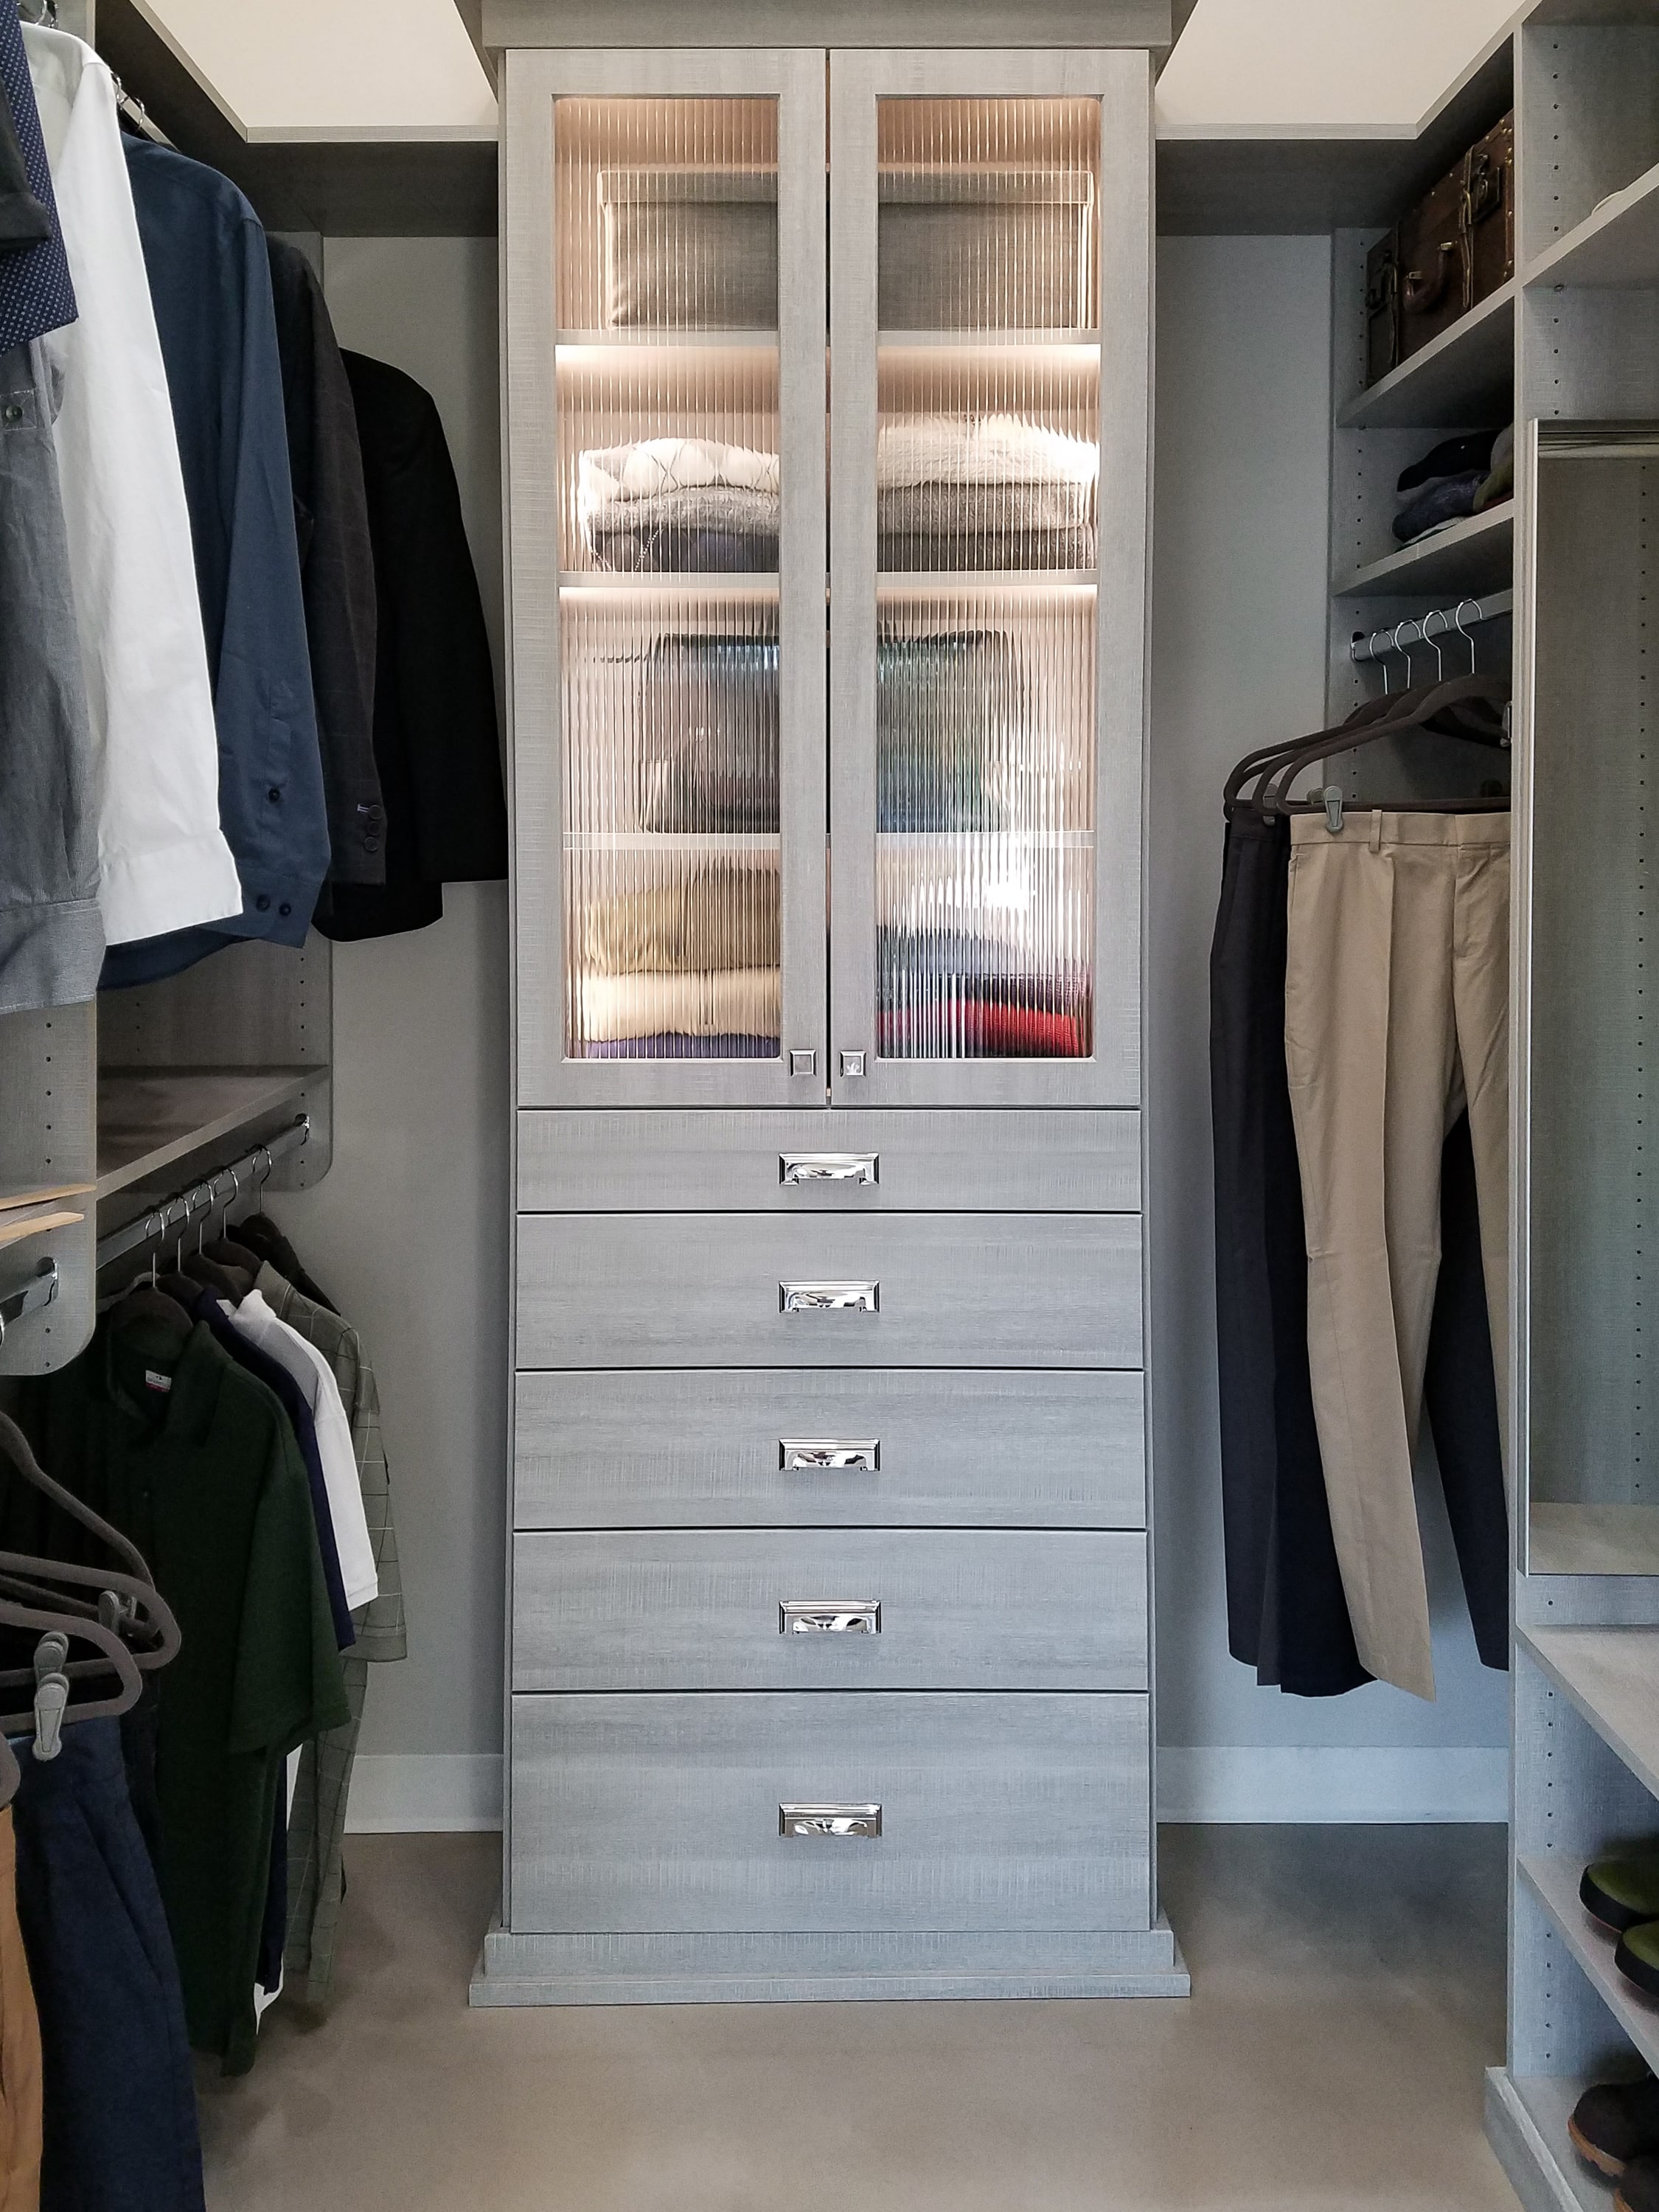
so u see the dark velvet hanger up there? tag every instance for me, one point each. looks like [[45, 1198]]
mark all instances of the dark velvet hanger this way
[[1463, 714], [1473, 704]]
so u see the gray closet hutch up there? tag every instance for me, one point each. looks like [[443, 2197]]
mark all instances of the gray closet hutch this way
[[827, 383]]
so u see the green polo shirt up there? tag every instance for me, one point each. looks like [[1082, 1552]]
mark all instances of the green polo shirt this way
[[197, 1462]]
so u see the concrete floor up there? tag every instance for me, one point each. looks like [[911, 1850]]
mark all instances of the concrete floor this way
[[1348, 1989]]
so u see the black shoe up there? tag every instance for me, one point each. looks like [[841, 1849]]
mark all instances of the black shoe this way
[[1621, 1893], [1638, 1956], [1615, 2123]]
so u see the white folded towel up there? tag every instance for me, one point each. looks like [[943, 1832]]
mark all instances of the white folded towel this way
[[727, 1002]]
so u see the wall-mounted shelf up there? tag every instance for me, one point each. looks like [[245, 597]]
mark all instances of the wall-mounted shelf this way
[[149, 1118], [1466, 376], [1592, 1539], [1553, 1880], [1616, 246], [1612, 1675], [1474, 556]]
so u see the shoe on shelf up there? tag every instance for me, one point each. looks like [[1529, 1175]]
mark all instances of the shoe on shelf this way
[[1638, 1956], [1621, 1893], [1639, 2186], [1616, 2121]]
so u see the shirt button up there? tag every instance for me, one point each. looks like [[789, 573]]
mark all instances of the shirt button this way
[[274, 793], [13, 413], [285, 909], [262, 903]]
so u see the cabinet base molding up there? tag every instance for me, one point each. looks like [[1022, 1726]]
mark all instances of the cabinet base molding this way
[[1526, 2126], [816, 1968]]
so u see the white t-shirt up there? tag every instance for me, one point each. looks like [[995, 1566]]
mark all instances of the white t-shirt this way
[[163, 863], [315, 1378]]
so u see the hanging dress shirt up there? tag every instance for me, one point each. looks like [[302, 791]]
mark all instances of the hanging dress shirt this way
[[163, 863], [209, 281]]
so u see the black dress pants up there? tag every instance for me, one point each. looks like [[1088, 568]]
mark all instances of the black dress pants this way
[[1286, 1613]]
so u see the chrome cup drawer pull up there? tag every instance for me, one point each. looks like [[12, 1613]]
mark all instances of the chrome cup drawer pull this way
[[856, 1616], [829, 1298], [812, 1455], [829, 1167], [851, 1821]]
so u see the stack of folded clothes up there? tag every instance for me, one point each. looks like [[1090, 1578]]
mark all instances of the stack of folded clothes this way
[[670, 504], [708, 735], [1461, 477], [993, 491], [951, 995], [946, 709], [685, 970]]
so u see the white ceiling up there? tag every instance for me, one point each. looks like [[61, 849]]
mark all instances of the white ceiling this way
[[332, 68], [1319, 68], [407, 69]]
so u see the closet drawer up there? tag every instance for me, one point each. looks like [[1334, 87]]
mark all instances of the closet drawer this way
[[923, 1290], [827, 1609], [839, 1163], [996, 1811], [611, 1448]]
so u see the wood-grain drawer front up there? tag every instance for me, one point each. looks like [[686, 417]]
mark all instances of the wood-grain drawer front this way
[[830, 1609], [998, 1810], [966, 1290], [842, 1163], [989, 1446]]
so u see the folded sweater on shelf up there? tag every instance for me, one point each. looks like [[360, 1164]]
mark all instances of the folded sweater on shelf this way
[[973, 1029], [1008, 525], [746, 1001], [986, 449], [664, 505], [721, 918]]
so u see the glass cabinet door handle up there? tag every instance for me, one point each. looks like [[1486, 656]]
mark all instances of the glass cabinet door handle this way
[[863, 1821], [829, 1297], [829, 1167]]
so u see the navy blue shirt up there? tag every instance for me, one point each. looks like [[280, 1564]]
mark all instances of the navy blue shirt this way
[[210, 278]]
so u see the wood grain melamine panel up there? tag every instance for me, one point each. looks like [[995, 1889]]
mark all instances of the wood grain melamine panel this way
[[952, 1290], [952, 1609], [644, 1812], [704, 1162], [992, 1446]]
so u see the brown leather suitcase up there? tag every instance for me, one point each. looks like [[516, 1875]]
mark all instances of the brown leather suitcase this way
[[1451, 249]]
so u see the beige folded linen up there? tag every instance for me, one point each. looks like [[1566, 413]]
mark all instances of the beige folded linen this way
[[729, 1002], [723, 918]]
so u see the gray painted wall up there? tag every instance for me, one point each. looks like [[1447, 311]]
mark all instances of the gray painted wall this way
[[409, 1227], [1238, 660]]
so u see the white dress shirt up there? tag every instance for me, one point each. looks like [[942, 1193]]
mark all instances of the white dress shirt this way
[[315, 1378], [163, 861]]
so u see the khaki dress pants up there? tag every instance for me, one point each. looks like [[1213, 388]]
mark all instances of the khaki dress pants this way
[[19, 2048], [1396, 1014]]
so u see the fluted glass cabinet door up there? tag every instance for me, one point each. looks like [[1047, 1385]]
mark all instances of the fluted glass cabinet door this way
[[990, 234], [666, 271]]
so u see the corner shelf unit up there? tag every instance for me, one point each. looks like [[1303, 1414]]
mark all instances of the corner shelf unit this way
[[130, 1099], [1585, 1703]]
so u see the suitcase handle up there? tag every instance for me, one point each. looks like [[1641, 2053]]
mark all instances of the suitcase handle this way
[[1425, 293]]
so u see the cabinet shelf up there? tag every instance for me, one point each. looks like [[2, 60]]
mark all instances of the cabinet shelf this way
[[1612, 1675], [1474, 555], [671, 841], [997, 341], [707, 583], [148, 1118], [1615, 246], [1056, 841], [1554, 1881], [1592, 1539], [658, 342], [985, 580], [1465, 376]]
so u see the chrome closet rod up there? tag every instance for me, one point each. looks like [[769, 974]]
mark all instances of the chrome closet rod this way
[[1490, 606], [29, 1297], [177, 1212]]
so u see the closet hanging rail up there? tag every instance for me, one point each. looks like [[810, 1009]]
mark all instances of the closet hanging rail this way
[[29, 1297], [1382, 643], [177, 1213]]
